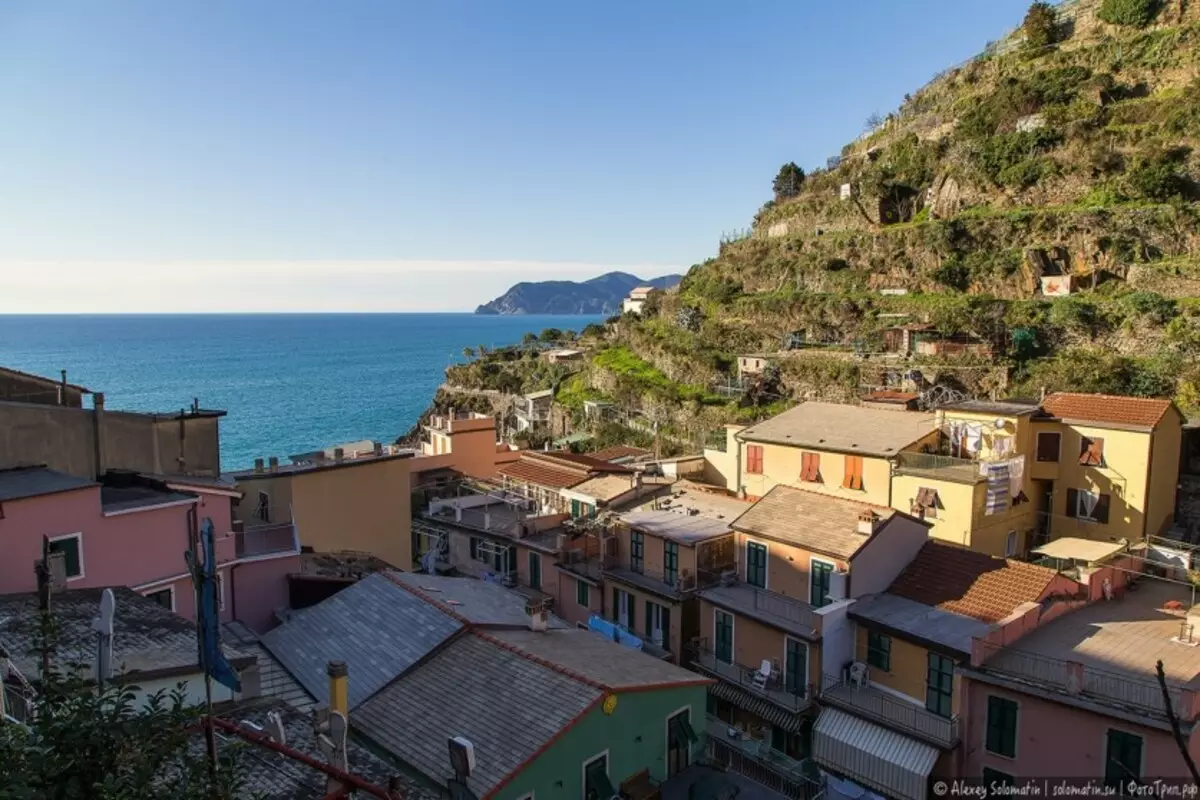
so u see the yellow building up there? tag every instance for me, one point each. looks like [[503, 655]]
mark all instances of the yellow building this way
[[891, 716], [1106, 467]]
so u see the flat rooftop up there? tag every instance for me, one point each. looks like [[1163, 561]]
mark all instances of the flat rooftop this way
[[685, 494], [677, 525], [1127, 636]]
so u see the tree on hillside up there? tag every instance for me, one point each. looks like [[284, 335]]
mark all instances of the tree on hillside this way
[[788, 182], [551, 335], [1130, 13], [1040, 26], [468, 352]]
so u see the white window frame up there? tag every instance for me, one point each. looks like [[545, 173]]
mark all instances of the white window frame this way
[[732, 636], [78, 537], [667, 733], [766, 546], [583, 771], [1010, 544], [1080, 512], [807, 662], [630, 610], [656, 617], [170, 587]]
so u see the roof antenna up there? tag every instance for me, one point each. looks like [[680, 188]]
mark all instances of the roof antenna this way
[[103, 626]]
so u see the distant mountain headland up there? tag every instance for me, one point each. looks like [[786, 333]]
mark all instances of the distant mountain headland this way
[[602, 295]]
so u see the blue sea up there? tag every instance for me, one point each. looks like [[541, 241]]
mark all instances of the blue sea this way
[[290, 382]]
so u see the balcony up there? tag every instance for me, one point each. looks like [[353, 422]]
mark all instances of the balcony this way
[[1078, 680], [880, 706], [262, 540], [672, 584], [758, 761], [947, 468], [744, 677], [771, 608]]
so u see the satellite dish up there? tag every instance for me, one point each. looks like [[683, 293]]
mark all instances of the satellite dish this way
[[999, 424], [103, 626], [462, 756]]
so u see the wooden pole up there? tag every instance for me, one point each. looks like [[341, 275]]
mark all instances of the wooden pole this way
[[1175, 732]]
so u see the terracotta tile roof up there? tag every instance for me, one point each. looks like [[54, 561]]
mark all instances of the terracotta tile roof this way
[[619, 451], [810, 520], [543, 474], [568, 459], [1106, 408], [969, 583]]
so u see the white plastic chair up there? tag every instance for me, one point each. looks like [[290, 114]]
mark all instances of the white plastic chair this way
[[760, 677]]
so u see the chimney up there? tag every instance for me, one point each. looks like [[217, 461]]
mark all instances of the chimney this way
[[868, 520], [539, 617], [378, 448], [339, 687], [1043, 398], [339, 454], [258, 465], [273, 464], [100, 449], [62, 389]]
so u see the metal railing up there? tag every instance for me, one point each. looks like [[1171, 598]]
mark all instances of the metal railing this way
[[759, 600], [773, 688], [948, 467], [891, 711], [672, 579], [1082, 681], [261, 540], [772, 770]]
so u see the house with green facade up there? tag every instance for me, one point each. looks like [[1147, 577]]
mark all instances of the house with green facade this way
[[549, 710]]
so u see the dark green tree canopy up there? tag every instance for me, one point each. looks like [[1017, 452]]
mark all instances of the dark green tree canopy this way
[[1040, 25], [788, 182]]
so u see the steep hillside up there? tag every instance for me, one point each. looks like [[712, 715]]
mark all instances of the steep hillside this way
[[1030, 213], [600, 295]]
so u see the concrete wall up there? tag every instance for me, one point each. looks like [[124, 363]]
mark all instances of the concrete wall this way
[[257, 588], [720, 466], [637, 611], [754, 642], [1059, 740], [1123, 478], [29, 389], [360, 506], [885, 556], [1164, 473], [909, 669], [788, 566], [566, 594], [66, 439]]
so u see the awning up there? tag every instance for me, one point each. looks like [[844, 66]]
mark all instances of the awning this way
[[780, 718], [874, 756], [1080, 549]]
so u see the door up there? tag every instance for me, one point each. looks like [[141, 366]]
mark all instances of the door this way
[[535, 571], [596, 785], [756, 564], [621, 610], [679, 751], [724, 637], [939, 685]]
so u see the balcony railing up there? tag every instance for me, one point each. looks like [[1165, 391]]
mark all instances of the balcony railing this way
[[1081, 681], [673, 579], [261, 540], [753, 759], [945, 467], [753, 600], [773, 688], [891, 711]]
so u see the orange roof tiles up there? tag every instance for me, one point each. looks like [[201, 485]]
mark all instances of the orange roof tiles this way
[[972, 584], [542, 474], [1106, 408]]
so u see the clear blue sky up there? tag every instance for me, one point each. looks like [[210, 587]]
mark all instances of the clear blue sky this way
[[162, 140]]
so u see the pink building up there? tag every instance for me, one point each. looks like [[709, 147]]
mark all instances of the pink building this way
[[1071, 692], [132, 530]]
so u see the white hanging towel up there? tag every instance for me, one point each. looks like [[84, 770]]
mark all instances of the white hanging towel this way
[[974, 439], [1087, 503], [1016, 474]]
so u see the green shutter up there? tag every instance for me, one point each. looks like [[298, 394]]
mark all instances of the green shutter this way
[[582, 594], [1001, 726]]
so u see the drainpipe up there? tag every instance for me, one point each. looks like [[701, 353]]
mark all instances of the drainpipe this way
[[737, 439]]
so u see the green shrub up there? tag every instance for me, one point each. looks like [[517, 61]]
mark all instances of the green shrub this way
[[1014, 159], [1040, 26], [1156, 178], [1130, 13], [1151, 305], [953, 274]]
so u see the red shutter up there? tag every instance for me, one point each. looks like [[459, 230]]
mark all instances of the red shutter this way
[[1091, 452], [754, 459]]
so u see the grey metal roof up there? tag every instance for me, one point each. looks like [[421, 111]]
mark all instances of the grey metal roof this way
[[273, 680], [1008, 408], [677, 526], [928, 623], [271, 775], [378, 628], [129, 498], [507, 705], [478, 602], [874, 756], [147, 638], [22, 482], [598, 659]]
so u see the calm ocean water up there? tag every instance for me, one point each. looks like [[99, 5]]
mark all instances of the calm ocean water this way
[[290, 382]]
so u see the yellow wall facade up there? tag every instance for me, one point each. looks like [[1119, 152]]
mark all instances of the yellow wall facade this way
[[909, 668], [754, 642], [1123, 477], [788, 566], [782, 465]]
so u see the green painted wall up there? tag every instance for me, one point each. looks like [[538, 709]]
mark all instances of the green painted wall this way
[[637, 714]]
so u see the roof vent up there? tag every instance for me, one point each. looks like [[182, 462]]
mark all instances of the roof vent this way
[[258, 465], [273, 463]]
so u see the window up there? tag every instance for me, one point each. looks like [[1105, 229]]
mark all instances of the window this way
[[939, 685], [879, 651], [637, 550], [1122, 757], [818, 582], [596, 785], [795, 667], [535, 571], [583, 594], [263, 510], [575, 509], [925, 504], [754, 459], [1001, 726], [1088, 506], [71, 547], [504, 561], [853, 478], [658, 624], [994, 777], [756, 564], [1010, 544], [623, 610], [163, 597], [475, 549], [670, 562], [1091, 452], [810, 467], [724, 636], [1048, 445]]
